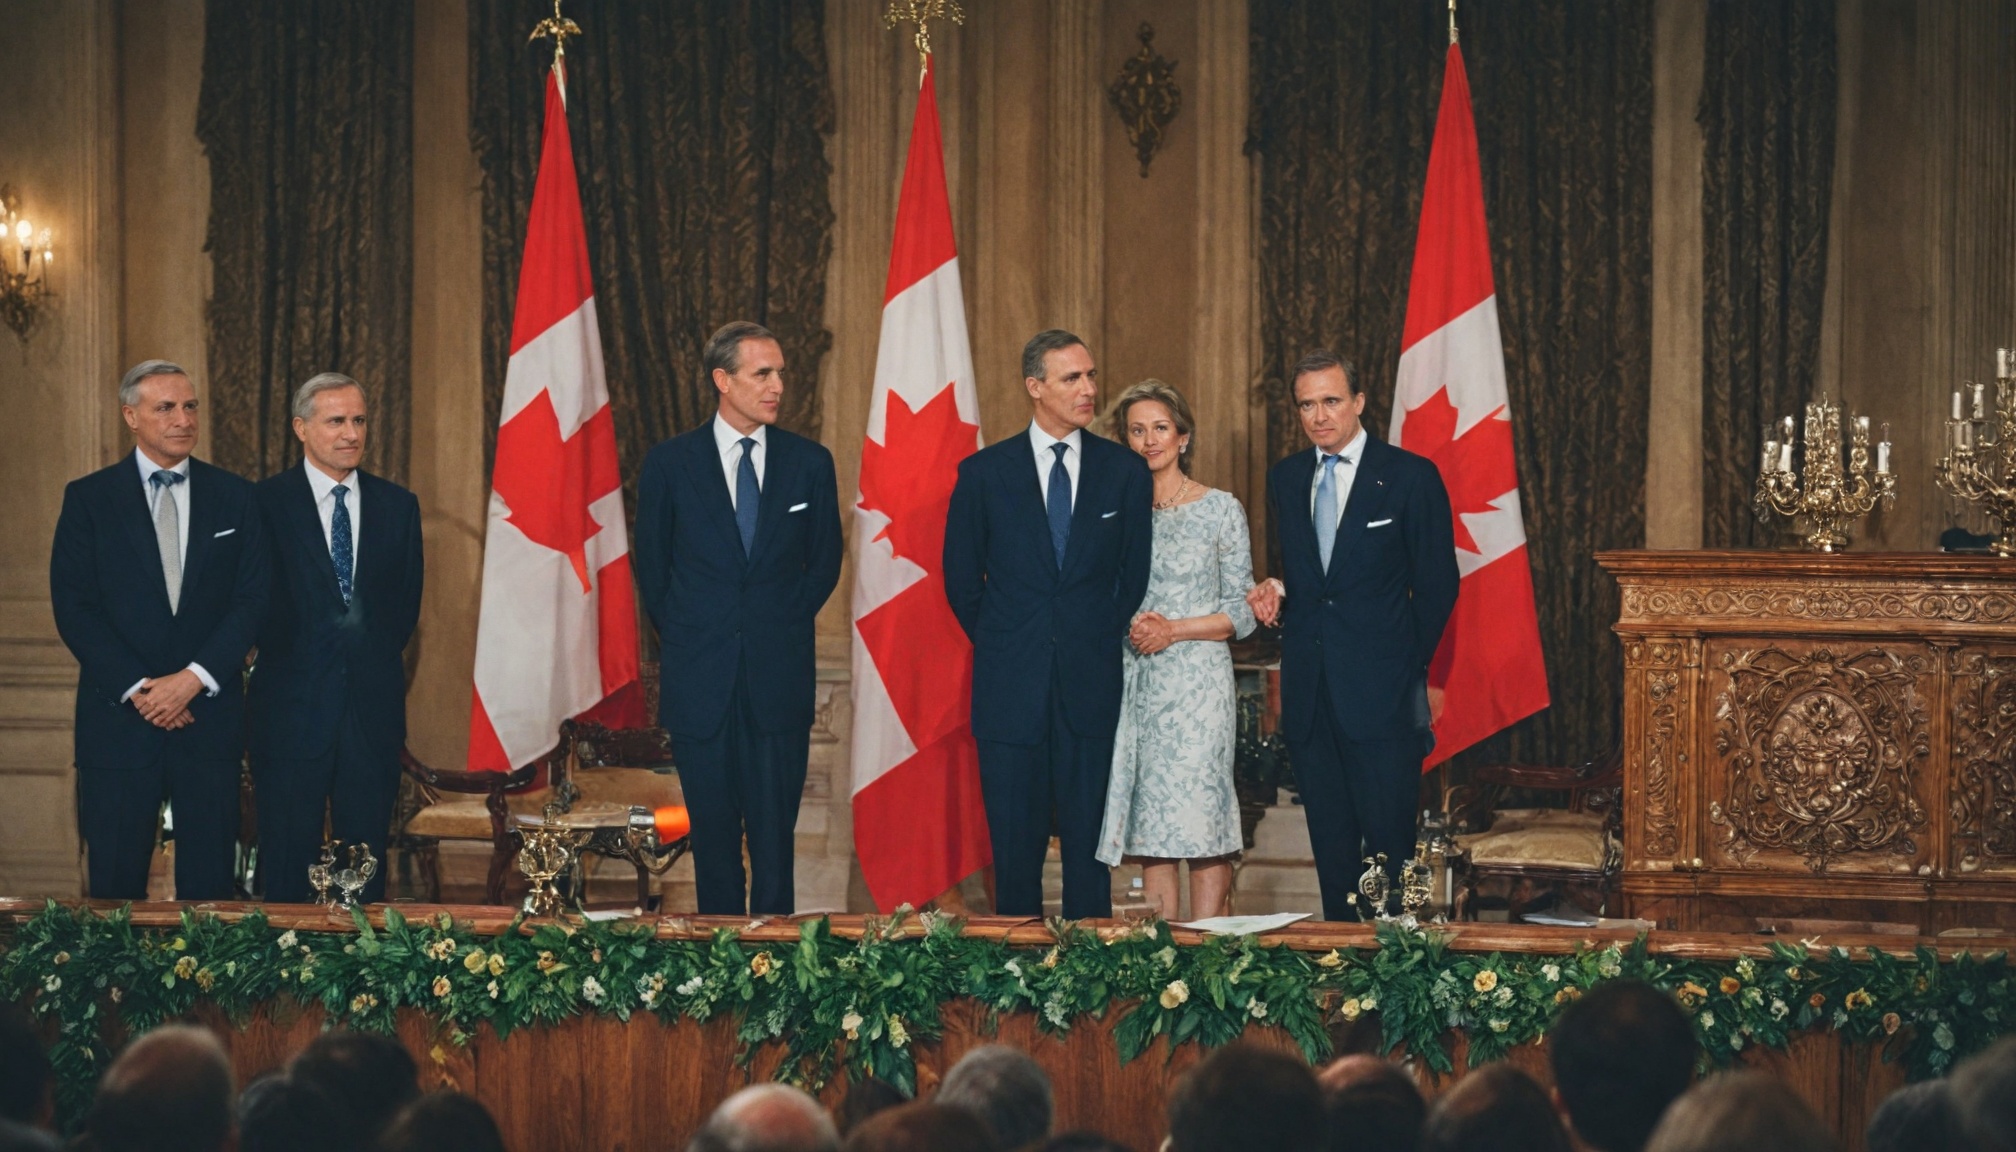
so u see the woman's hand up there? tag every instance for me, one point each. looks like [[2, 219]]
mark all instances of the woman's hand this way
[[1152, 632]]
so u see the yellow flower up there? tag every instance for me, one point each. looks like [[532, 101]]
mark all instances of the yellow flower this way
[[178, 944], [1792, 973], [1330, 959], [205, 979], [851, 1024], [897, 1035], [595, 956], [363, 1002], [1859, 998], [185, 967], [1691, 994], [1892, 1022], [1730, 985], [62, 957], [1566, 994], [1351, 1009], [441, 986], [760, 965], [546, 961], [1176, 993], [475, 960], [441, 949], [1485, 981], [1050, 957], [496, 964]]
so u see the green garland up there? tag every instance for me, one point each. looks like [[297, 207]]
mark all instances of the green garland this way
[[861, 1004]]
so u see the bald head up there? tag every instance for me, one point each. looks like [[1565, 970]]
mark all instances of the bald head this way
[[170, 1090], [767, 1118]]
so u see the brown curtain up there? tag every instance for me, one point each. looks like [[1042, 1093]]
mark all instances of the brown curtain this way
[[1344, 101], [699, 137], [306, 114], [1767, 177]]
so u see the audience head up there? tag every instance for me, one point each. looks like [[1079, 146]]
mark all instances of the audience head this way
[[1739, 1112], [746, 364], [1005, 1088], [1371, 1105], [767, 1118], [26, 1082], [169, 1091], [924, 1128], [1621, 1054], [1328, 400], [442, 1122], [1915, 1118], [1242, 1098], [371, 1077], [158, 403], [864, 1099], [1082, 1142], [1984, 1097], [329, 420], [1496, 1108], [1062, 381], [1154, 420], [279, 1113]]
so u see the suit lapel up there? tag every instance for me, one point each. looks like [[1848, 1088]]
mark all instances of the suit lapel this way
[[1085, 508], [775, 489], [306, 523], [1368, 491], [204, 519], [130, 501], [1025, 490], [711, 484]]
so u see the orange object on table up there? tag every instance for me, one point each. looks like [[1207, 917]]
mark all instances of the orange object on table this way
[[673, 823]]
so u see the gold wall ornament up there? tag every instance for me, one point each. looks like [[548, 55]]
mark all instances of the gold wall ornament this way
[[1146, 96], [558, 27], [1824, 499], [25, 257], [1980, 461], [921, 13]]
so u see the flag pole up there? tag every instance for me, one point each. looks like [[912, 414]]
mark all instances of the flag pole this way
[[1452, 18], [920, 13]]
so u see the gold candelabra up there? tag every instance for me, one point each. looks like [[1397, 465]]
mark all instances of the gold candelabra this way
[[1823, 498], [1980, 461], [25, 257]]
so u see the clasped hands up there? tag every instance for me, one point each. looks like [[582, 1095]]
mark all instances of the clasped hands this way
[[1151, 633], [164, 702]]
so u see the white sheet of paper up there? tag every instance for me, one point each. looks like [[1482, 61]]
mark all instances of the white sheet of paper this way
[[1245, 925]]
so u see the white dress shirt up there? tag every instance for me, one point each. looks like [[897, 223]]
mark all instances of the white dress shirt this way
[[180, 494], [1045, 459], [729, 443], [1344, 472], [324, 489]]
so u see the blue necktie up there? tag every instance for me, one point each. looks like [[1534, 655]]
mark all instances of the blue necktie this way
[[341, 552], [1060, 503], [746, 495], [1326, 510]]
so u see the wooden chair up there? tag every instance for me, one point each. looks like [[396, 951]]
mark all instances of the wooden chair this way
[[1570, 852], [425, 817]]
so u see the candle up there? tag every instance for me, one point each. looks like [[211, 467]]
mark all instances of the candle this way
[[1785, 457], [1980, 403], [1770, 456], [1966, 436], [1786, 424], [2005, 363], [1861, 429], [1956, 406], [1883, 458]]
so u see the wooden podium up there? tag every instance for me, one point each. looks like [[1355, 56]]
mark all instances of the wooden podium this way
[[1818, 741]]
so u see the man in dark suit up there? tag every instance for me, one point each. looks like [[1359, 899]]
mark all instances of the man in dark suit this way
[[1046, 560], [328, 703], [1368, 559], [158, 579], [738, 547]]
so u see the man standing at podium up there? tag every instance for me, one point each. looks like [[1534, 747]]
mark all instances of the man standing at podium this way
[[158, 578], [329, 691], [738, 547]]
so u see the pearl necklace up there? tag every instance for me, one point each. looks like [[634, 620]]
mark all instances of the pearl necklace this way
[[1173, 501]]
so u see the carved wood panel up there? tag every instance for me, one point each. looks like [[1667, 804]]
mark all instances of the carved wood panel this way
[[1982, 732], [1658, 672], [1822, 750]]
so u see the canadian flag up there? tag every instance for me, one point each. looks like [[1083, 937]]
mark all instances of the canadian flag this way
[[557, 633], [919, 825], [1450, 406]]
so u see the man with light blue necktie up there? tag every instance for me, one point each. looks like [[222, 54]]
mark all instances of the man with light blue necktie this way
[[1369, 578]]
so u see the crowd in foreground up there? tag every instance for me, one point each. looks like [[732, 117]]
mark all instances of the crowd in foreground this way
[[1623, 1061]]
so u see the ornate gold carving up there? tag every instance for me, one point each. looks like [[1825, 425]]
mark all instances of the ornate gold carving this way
[[1823, 752], [1662, 833], [1819, 601], [1146, 96], [1983, 796]]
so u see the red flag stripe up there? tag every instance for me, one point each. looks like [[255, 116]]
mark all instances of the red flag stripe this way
[[1452, 256], [923, 241], [554, 278]]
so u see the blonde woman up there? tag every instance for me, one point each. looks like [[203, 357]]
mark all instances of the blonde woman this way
[[1170, 796]]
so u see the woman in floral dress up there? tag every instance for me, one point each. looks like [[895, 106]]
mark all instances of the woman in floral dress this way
[[1170, 797]]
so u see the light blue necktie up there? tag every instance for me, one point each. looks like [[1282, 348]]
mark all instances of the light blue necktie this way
[[1326, 510], [342, 552], [1060, 503], [747, 495]]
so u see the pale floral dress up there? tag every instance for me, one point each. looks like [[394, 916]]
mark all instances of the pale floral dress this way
[[1170, 794]]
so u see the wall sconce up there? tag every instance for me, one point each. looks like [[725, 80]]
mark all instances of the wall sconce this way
[[25, 256]]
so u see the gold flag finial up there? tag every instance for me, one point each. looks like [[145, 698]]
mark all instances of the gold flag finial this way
[[1452, 21], [921, 13], [558, 27]]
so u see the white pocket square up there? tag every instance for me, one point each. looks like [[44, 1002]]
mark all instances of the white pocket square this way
[[225, 532], [799, 507], [1379, 523], [1109, 515]]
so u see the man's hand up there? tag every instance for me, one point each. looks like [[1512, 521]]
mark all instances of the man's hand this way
[[161, 701], [1436, 702], [1151, 633], [1265, 600]]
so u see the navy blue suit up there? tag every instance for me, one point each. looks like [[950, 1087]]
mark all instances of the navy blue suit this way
[[328, 695], [736, 668], [1047, 644], [111, 604], [1355, 645]]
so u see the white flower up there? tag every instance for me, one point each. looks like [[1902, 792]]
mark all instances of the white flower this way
[[898, 1035], [691, 986], [1053, 1010], [1552, 972], [1504, 995], [1014, 967], [1166, 957], [1746, 969], [1257, 1009], [851, 1024], [349, 949], [493, 989], [1707, 1019], [1176, 993], [288, 939], [1778, 1009], [1369, 1003], [592, 990], [1610, 968], [51, 983], [1500, 1025]]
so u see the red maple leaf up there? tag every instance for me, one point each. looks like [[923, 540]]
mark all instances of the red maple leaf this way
[[909, 476], [548, 480], [1476, 467]]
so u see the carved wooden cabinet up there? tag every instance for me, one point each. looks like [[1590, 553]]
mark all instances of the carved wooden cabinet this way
[[1813, 739]]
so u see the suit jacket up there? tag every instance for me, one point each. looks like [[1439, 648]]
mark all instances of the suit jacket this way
[[316, 654], [111, 603], [1025, 615], [718, 610], [1371, 623]]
